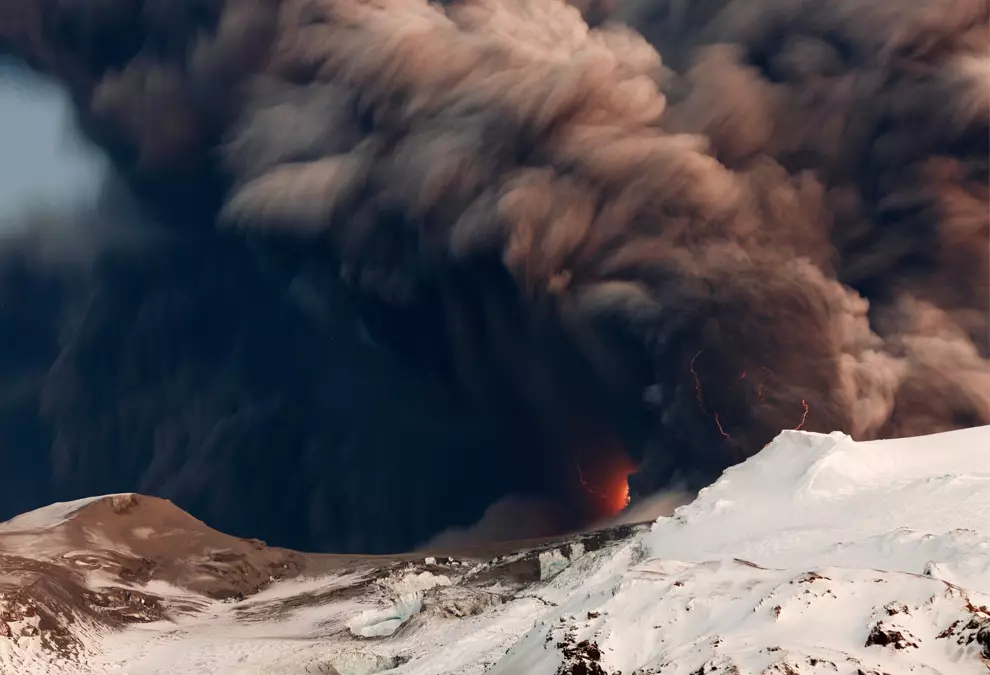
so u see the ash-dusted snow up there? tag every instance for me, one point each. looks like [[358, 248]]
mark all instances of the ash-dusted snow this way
[[819, 555], [51, 515]]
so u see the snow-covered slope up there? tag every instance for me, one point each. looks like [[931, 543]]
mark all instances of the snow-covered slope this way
[[819, 555]]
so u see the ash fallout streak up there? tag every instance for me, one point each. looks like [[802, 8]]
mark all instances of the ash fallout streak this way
[[400, 260]]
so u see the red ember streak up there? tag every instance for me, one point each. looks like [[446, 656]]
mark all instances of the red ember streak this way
[[720, 429], [804, 418], [697, 381], [759, 392]]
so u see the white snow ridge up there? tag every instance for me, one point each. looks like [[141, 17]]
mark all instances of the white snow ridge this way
[[819, 555]]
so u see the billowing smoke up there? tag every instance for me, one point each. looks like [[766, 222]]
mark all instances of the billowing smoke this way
[[423, 256]]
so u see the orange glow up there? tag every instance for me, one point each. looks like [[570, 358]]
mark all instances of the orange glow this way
[[607, 481], [622, 496]]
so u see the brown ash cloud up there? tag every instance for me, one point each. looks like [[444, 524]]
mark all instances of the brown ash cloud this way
[[671, 234]]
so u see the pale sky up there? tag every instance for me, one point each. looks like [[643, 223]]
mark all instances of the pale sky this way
[[41, 158]]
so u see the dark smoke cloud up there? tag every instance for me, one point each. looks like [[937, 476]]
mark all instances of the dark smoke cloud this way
[[189, 367], [672, 235]]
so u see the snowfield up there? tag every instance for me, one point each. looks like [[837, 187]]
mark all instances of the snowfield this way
[[819, 555]]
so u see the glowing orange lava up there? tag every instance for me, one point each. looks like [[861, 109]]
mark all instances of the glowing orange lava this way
[[622, 495], [607, 481]]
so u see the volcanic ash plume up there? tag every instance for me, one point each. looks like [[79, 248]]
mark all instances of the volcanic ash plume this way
[[667, 237]]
